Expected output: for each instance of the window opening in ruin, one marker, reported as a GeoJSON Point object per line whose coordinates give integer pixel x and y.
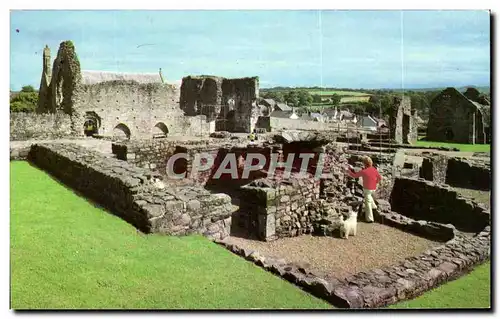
{"type": "Point", "coordinates": [229, 121]}
{"type": "Point", "coordinates": [59, 91]}
{"type": "Point", "coordinates": [90, 128]}
{"type": "Point", "coordinates": [449, 134]}
{"type": "Point", "coordinates": [160, 130]}
{"type": "Point", "coordinates": [92, 124]}
{"type": "Point", "coordinates": [121, 131]}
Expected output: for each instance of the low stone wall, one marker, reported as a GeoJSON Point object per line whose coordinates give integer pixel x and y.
{"type": "Point", "coordinates": [25, 126]}
{"type": "Point", "coordinates": [434, 168]}
{"type": "Point", "coordinates": [281, 210]}
{"type": "Point", "coordinates": [277, 124]}
{"type": "Point", "coordinates": [197, 126]}
{"type": "Point", "coordinates": [152, 153]}
{"type": "Point", "coordinates": [468, 174]}
{"type": "Point", "coordinates": [384, 286]}
{"type": "Point", "coordinates": [457, 172]}
{"type": "Point", "coordinates": [19, 152]}
{"type": "Point", "coordinates": [128, 191]}
{"type": "Point", "coordinates": [420, 199]}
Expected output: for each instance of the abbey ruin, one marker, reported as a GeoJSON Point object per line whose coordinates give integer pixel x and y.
{"type": "Point", "coordinates": [122, 166]}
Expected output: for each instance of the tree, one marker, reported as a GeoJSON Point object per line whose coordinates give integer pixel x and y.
{"type": "Point", "coordinates": [292, 98]}
{"type": "Point", "coordinates": [317, 98]}
{"type": "Point", "coordinates": [275, 95]}
{"type": "Point", "coordinates": [305, 98]}
{"type": "Point", "coordinates": [24, 101]}
{"type": "Point", "coordinates": [335, 99]}
{"type": "Point", "coordinates": [28, 88]}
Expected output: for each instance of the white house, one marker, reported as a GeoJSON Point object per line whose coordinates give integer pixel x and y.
{"type": "Point", "coordinates": [372, 123]}
{"type": "Point", "coordinates": [368, 122]}
{"type": "Point", "coordinates": [330, 115]}
{"type": "Point", "coordinates": [348, 117]}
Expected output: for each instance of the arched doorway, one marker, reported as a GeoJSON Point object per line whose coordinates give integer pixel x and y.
{"type": "Point", "coordinates": [160, 130]}
{"type": "Point", "coordinates": [121, 131]}
{"type": "Point", "coordinates": [92, 124]}
{"type": "Point", "coordinates": [449, 135]}
{"type": "Point", "coordinates": [230, 121]}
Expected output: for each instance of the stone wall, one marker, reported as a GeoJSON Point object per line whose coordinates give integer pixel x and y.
{"type": "Point", "coordinates": [129, 108]}
{"type": "Point", "coordinates": [128, 192]}
{"type": "Point", "coordinates": [457, 172]}
{"type": "Point", "coordinates": [276, 124]}
{"type": "Point", "coordinates": [24, 126]}
{"type": "Point", "coordinates": [402, 125]}
{"type": "Point", "coordinates": [420, 199]}
{"type": "Point", "coordinates": [434, 168]}
{"type": "Point", "coordinates": [19, 152]}
{"type": "Point", "coordinates": [232, 103]}
{"type": "Point", "coordinates": [244, 92]}
{"type": "Point", "coordinates": [154, 154]}
{"type": "Point", "coordinates": [279, 211]}
{"type": "Point", "coordinates": [263, 123]}
{"type": "Point", "coordinates": [468, 174]}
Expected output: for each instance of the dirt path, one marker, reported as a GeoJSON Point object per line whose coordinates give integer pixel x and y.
{"type": "Point", "coordinates": [376, 245]}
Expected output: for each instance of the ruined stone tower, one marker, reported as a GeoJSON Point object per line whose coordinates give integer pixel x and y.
{"type": "Point", "coordinates": [45, 82]}
{"type": "Point", "coordinates": [46, 63]}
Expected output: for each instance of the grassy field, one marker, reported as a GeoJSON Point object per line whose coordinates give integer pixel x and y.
{"type": "Point", "coordinates": [354, 99]}
{"type": "Point", "coordinates": [471, 291]}
{"type": "Point", "coordinates": [68, 254]}
{"type": "Point", "coordinates": [461, 147]}
{"type": "Point", "coordinates": [342, 93]}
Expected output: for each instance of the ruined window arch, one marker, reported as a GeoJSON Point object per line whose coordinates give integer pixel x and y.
{"type": "Point", "coordinates": [59, 92]}
{"type": "Point", "coordinates": [92, 123]}
{"type": "Point", "coordinates": [160, 130]}
{"type": "Point", "coordinates": [121, 131]}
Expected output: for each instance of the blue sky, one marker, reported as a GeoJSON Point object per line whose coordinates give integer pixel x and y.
{"type": "Point", "coordinates": [356, 49]}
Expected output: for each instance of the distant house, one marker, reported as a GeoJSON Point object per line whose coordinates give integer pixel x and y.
{"type": "Point", "coordinates": [267, 106]}
{"type": "Point", "coordinates": [268, 102]}
{"type": "Point", "coordinates": [330, 114]}
{"type": "Point", "coordinates": [459, 117]}
{"type": "Point", "coordinates": [347, 117]}
{"type": "Point", "coordinates": [282, 107]}
{"type": "Point", "coordinates": [372, 123]}
{"type": "Point", "coordinates": [318, 117]}
{"type": "Point", "coordinates": [284, 115]}
{"type": "Point", "coordinates": [312, 116]}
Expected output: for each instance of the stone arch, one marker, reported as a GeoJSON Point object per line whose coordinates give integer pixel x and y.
{"type": "Point", "coordinates": [121, 131]}
{"type": "Point", "coordinates": [160, 130]}
{"type": "Point", "coordinates": [92, 123]}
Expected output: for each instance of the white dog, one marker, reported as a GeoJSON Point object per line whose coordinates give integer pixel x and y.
{"type": "Point", "coordinates": [349, 226]}
{"type": "Point", "coordinates": [158, 183]}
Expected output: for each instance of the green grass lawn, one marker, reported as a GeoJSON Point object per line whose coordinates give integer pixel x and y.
{"type": "Point", "coordinates": [461, 147]}
{"type": "Point", "coordinates": [68, 254]}
{"type": "Point", "coordinates": [471, 291]}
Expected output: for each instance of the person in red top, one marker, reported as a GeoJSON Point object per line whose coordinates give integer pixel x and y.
{"type": "Point", "coordinates": [371, 178]}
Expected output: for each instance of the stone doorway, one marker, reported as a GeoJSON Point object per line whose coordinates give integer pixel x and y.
{"type": "Point", "coordinates": [92, 124]}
